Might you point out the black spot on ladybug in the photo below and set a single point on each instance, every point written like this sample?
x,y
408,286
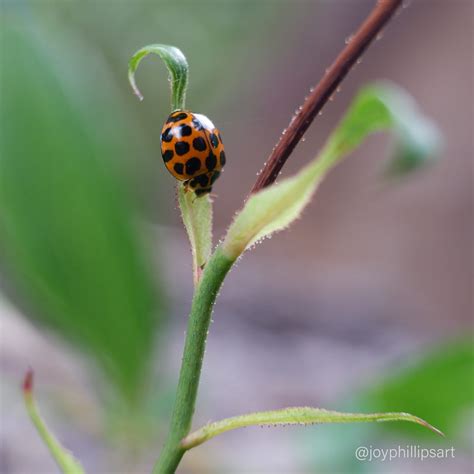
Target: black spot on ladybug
x,y
197,124
179,168
201,192
181,148
167,136
167,155
185,130
202,179
177,117
215,175
192,165
214,140
211,161
199,144
222,158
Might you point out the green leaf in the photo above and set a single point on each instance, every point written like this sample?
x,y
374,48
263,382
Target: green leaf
x,y
68,235
65,460
385,106
293,416
177,66
197,218
271,209
375,108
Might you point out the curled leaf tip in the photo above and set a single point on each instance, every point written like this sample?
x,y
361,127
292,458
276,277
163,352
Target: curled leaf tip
x,y
176,64
27,385
136,90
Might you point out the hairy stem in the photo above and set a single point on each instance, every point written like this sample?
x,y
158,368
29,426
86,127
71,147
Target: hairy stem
x,y
198,325
355,47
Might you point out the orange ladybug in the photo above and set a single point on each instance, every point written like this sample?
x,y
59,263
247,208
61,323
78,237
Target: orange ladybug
x,y
192,149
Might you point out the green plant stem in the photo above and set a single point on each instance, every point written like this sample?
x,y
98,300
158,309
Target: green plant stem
x,y
196,336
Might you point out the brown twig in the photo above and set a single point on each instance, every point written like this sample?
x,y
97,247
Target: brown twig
x,y
355,47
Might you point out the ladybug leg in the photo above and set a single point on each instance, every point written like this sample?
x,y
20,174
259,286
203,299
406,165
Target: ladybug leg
x,y
186,185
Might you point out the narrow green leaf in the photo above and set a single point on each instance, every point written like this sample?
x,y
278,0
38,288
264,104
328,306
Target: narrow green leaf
x,y
177,66
377,107
65,460
197,218
294,416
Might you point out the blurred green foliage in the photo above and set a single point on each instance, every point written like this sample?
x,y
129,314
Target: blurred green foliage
x,y
67,224
212,34
437,386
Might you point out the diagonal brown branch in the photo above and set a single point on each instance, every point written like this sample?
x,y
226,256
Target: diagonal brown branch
x,y
355,47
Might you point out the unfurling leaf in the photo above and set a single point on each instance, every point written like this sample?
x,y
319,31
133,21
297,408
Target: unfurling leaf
x,y
293,416
177,66
377,107
197,218
66,462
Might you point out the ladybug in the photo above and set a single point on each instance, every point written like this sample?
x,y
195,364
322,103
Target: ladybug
x,y
192,149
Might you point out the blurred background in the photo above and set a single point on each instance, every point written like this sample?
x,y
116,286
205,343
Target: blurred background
x,y
365,304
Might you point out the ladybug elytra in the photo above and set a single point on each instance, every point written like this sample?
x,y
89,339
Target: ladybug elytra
x,y
192,149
